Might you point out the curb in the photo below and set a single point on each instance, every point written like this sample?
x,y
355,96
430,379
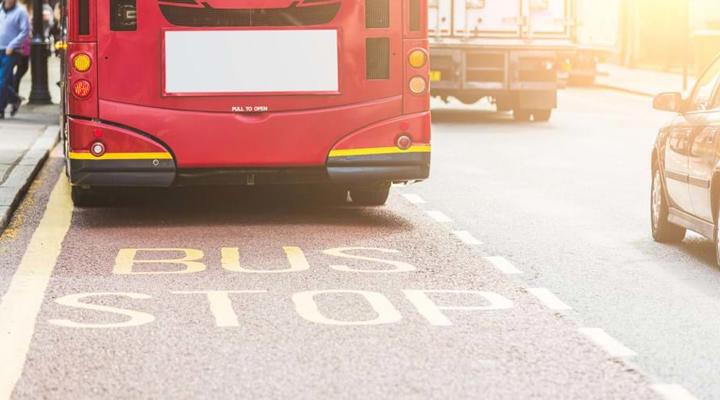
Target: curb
x,y
624,90
23,173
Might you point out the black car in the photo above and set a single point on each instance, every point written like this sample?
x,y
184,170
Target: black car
x,y
686,164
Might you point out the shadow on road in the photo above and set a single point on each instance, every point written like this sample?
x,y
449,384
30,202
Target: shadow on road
x,y
471,116
222,206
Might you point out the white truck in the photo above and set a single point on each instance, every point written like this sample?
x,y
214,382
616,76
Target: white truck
x,y
598,38
506,50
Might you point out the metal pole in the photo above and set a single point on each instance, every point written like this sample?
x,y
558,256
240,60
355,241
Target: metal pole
x,y
40,94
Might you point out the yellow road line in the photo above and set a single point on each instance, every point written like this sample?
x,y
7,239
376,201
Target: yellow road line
x,y
21,303
425,148
121,156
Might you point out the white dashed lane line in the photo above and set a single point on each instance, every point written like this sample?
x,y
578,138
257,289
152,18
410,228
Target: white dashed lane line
x,y
467,238
439,216
414,199
598,336
549,299
673,392
613,347
503,265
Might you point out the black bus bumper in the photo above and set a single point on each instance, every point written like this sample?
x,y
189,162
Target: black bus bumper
x,y
408,167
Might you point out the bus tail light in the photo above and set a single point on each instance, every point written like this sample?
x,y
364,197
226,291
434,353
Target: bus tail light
x,y
81,81
418,85
97,149
417,58
82,89
82,62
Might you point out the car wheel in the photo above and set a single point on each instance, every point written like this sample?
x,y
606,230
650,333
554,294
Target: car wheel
x,y
542,115
663,231
370,196
522,115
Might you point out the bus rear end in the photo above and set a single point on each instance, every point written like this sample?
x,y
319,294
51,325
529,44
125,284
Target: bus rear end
x,y
164,93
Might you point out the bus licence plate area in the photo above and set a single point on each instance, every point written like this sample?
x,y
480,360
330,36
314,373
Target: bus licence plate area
x,y
250,61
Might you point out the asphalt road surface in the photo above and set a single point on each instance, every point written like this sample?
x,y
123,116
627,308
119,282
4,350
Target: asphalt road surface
x,y
523,269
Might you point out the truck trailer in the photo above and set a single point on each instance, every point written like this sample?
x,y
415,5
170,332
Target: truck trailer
x,y
598,38
505,50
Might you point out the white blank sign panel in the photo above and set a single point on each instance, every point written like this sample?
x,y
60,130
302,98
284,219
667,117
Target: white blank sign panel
x,y
251,61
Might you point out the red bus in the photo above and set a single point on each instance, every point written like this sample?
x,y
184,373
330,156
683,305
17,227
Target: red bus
x,y
329,93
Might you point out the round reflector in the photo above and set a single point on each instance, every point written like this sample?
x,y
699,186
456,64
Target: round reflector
x,y
97,149
418,58
82,62
82,88
418,85
404,142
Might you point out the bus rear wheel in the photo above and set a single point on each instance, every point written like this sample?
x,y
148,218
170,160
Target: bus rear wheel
x,y
370,196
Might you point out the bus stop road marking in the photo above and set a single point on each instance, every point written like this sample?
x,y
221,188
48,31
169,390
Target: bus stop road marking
x,y
21,303
673,392
611,345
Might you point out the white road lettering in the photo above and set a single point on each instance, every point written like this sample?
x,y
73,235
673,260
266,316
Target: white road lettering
x,y
126,261
434,313
221,305
136,318
296,258
399,266
307,308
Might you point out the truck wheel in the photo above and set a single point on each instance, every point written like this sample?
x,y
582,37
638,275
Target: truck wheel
x,y
663,231
370,196
522,115
88,197
542,115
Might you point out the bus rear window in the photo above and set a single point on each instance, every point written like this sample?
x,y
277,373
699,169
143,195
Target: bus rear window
x,y
193,13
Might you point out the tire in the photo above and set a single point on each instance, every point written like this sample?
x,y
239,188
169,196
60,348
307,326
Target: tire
x,y
522,115
89,198
542,115
663,231
370,196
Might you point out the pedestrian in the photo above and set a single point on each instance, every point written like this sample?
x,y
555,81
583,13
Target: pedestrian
x,y
23,63
14,30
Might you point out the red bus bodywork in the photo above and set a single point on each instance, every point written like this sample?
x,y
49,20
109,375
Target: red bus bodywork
x,y
150,137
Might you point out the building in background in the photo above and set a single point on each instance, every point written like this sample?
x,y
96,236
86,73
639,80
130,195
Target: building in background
x,y
668,34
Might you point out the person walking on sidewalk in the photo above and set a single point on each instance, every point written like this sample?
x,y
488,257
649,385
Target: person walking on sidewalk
x,y
23,63
14,30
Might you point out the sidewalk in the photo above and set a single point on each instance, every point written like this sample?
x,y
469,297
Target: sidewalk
x,y
640,81
25,141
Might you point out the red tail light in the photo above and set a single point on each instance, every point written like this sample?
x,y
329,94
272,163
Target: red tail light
x,y
82,89
82,79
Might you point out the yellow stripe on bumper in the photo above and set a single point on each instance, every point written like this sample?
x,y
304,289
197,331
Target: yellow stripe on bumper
x,y
425,148
121,156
